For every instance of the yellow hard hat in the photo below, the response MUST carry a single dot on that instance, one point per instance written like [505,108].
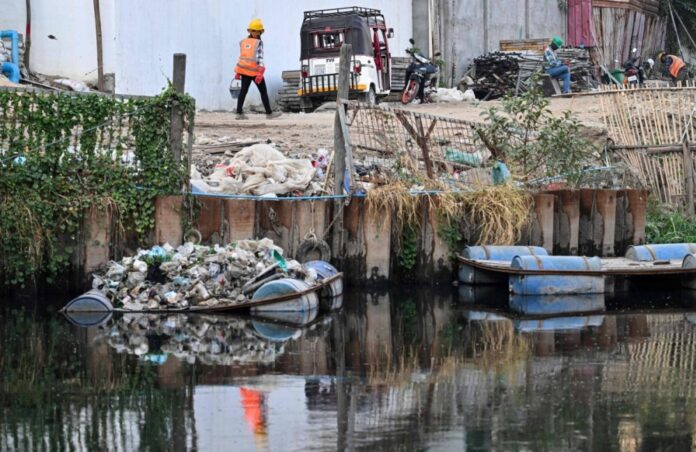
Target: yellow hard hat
[255,25]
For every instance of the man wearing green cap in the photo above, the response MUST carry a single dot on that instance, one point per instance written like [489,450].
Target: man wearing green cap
[554,67]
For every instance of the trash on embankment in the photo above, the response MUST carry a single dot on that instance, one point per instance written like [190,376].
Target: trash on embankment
[195,276]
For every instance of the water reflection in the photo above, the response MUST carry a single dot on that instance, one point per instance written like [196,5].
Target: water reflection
[392,370]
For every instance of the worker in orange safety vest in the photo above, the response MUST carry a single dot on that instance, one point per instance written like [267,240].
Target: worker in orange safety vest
[250,68]
[673,66]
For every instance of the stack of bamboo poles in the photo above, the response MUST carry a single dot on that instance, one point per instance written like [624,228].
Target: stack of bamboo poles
[653,131]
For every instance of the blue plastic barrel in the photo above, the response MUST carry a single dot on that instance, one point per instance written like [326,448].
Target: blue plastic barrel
[472,275]
[554,304]
[91,301]
[286,286]
[501,253]
[556,284]
[325,270]
[558,324]
[669,251]
[689,280]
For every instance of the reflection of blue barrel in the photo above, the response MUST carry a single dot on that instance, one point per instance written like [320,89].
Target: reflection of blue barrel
[471,275]
[282,287]
[649,253]
[558,324]
[298,318]
[325,270]
[483,295]
[553,304]
[689,279]
[531,284]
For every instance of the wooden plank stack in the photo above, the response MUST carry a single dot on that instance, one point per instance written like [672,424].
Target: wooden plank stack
[499,73]
[288,99]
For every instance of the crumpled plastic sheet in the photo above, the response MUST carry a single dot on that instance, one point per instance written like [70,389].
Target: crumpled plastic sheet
[260,170]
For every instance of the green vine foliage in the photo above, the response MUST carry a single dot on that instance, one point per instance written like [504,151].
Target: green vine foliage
[409,247]
[63,156]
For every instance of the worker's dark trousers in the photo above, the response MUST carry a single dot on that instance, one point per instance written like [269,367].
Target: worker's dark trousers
[246,83]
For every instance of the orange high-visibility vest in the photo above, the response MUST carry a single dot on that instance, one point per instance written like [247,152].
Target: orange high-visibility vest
[677,64]
[248,57]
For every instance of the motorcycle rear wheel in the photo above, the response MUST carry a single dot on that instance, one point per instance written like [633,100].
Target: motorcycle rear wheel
[410,91]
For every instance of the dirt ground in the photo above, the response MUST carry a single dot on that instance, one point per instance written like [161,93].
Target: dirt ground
[303,134]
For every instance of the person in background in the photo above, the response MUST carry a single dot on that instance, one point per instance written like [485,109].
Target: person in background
[250,68]
[673,66]
[554,67]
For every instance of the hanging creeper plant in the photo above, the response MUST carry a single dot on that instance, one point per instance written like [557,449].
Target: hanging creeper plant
[64,155]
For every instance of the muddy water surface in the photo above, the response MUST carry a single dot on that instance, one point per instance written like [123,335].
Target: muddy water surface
[422,370]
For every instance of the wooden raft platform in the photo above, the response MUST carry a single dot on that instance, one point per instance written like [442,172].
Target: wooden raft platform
[617,266]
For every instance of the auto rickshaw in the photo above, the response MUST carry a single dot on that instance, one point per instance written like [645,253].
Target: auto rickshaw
[323,33]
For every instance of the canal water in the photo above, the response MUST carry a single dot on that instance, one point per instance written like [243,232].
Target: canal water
[408,370]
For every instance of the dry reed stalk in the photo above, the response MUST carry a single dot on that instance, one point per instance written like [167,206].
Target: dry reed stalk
[500,213]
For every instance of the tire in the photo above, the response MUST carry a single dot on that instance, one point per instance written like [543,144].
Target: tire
[410,91]
[370,97]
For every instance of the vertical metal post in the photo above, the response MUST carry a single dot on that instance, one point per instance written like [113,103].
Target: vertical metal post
[177,119]
[688,178]
[340,146]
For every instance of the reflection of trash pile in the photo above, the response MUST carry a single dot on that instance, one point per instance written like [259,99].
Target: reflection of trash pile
[262,170]
[194,275]
[206,339]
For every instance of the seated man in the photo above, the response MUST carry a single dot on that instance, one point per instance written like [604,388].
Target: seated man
[673,66]
[554,67]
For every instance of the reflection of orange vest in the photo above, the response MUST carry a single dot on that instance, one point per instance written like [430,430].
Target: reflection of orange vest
[248,57]
[677,64]
[253,404]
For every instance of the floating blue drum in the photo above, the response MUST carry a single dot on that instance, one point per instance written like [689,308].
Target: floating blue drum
[559,324]
[89,309]
[472,275]
[553,304]
[649,253]
[531,284]
[325,270]
[303,301]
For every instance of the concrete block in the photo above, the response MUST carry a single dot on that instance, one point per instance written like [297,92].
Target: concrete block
[98,239]
[168,220]
[241,219]
[606,208]
[543,208]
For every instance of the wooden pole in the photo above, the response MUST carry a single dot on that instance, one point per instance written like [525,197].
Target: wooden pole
[27,37]
[688,178]
[343,90]
[177,120]
[100,52]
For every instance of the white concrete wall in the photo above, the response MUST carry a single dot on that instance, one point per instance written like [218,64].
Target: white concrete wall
[140,38]
[73,53]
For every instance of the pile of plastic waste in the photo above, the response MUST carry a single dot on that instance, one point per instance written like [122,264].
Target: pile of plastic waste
[165,278]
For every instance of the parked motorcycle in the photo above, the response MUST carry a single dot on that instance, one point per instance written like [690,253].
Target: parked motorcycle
[634,74]
[421,77]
